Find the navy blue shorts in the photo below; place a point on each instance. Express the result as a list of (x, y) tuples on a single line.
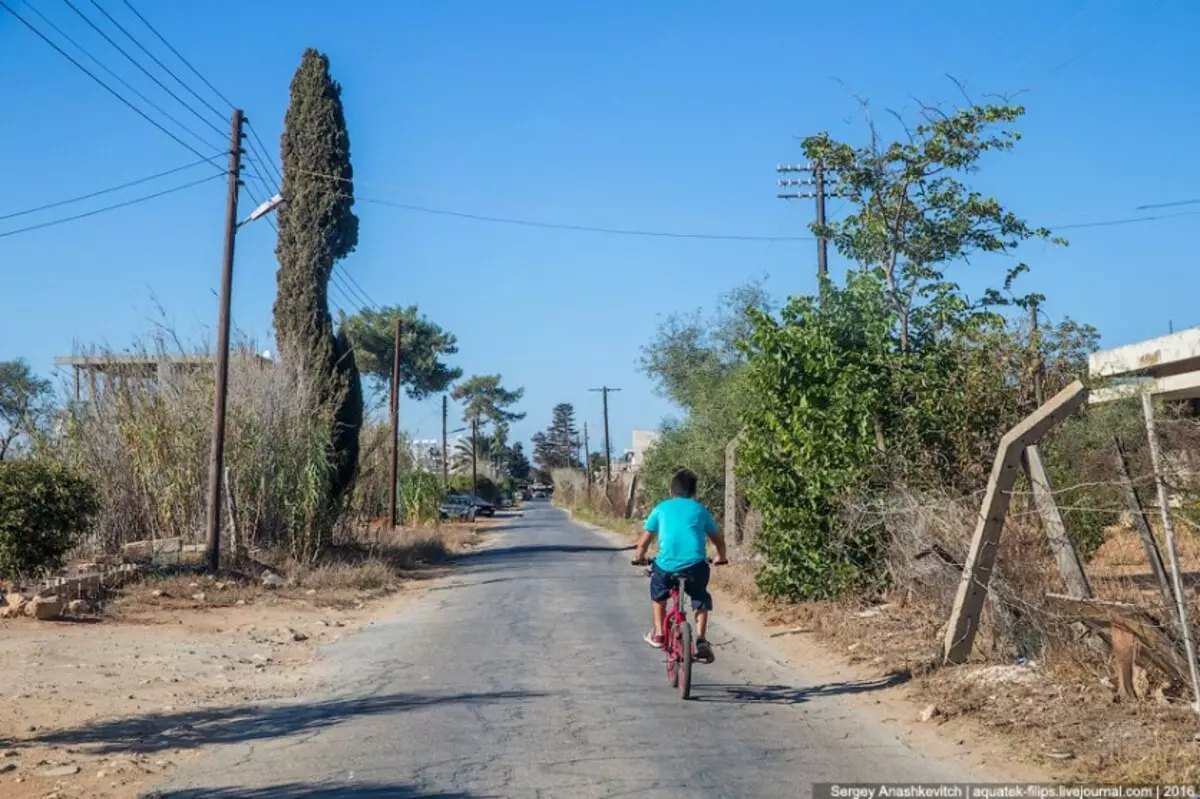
[(695, 584)]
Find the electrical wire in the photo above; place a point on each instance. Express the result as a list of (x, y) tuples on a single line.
[(114, 75), (113, 207), (109, 190), (145, 71), (154, 58), (578, 228), (92, 75), (1129, 221), (178, 55), (264, 156)]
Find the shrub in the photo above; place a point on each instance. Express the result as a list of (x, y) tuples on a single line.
[(485, 488), (44, 506), (421, 497)]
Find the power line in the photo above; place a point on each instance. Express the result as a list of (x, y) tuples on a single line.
[(154, 58), (145, 71), (104, 85), (578, 228), (1167, 205), (109, 190), (265, 156), (114, 75), (113, 207), (1129, 221), (178, 55)]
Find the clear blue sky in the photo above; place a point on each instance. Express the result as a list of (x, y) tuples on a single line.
[(662, 116)]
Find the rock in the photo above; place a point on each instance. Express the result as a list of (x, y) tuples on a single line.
[(160, 594), (311, 592), (60, 771), (200, 597), (1064, 755), (299, 636), (78, 607), (44, 608), (7, 767), (241, 601), (929, 712), (272, 580)]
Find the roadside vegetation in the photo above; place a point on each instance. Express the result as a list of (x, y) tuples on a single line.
[(868, 416)]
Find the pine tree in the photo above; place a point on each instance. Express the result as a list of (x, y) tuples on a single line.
[(317, 228)]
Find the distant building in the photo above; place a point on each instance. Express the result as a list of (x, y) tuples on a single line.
[(642, 441)]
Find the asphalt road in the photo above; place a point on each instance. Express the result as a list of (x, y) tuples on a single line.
[(524, 675)]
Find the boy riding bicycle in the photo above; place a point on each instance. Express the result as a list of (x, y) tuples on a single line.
[(683, 527)]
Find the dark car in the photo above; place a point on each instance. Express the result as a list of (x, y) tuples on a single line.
[(481, 505)]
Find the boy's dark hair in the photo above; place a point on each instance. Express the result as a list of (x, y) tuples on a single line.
[(683, 484)]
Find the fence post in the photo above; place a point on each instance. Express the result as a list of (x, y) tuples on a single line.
[(1065, 553), (977, 570), (1143, 527), (1185, 627)]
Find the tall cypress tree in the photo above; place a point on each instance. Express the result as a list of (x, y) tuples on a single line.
[(317, 228)]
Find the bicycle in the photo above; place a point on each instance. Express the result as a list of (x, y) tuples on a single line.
[(678, 641)]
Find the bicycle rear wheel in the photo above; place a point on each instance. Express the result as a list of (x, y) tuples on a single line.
[(684, 664), (669, 652)]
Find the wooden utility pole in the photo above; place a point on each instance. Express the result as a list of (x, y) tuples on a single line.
[(1035, 345), (474, 455), (216, 462), (587, 461), (604, 390), (1181, 605), (817, 181), (445, 453), (394, 487)]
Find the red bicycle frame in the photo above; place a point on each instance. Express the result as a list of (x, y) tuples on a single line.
[(678, 645)]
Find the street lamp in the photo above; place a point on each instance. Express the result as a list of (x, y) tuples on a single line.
[(262, 210)]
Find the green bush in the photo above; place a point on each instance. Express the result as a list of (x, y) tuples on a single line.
[(421, 497), (485, 488), (44, 506)]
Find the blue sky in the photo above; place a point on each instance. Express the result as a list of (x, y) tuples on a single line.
[(658, 116)]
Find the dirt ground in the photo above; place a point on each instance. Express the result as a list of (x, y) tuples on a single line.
[(101, 706), (1020, 720)]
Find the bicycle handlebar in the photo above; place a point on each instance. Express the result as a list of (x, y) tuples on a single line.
[(645, 562)]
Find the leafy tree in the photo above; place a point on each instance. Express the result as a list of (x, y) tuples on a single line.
[(519, 467), (24, 403), (423, 345), (485, 400), (557, 447), (897, 379), (317, 228), (911, 214), (696, 362)]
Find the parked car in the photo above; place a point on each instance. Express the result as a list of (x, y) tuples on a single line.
[(480, 505), (458, 508)]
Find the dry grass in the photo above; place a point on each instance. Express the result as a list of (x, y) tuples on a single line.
[(346, 575)]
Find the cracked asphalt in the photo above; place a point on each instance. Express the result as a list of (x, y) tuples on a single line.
[(524, 675)]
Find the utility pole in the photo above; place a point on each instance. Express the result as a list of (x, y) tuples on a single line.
[(474, 455), (395, 482), (216, 464), (817, 181), (607, 446), (445, 453), (587, 461), (1035, 344)]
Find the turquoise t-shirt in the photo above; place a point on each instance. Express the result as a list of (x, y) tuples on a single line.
[(683, 526)]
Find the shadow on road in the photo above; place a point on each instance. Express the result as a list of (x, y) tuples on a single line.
[(792, 695), (501, 553), (155, 732), (295, 790)]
